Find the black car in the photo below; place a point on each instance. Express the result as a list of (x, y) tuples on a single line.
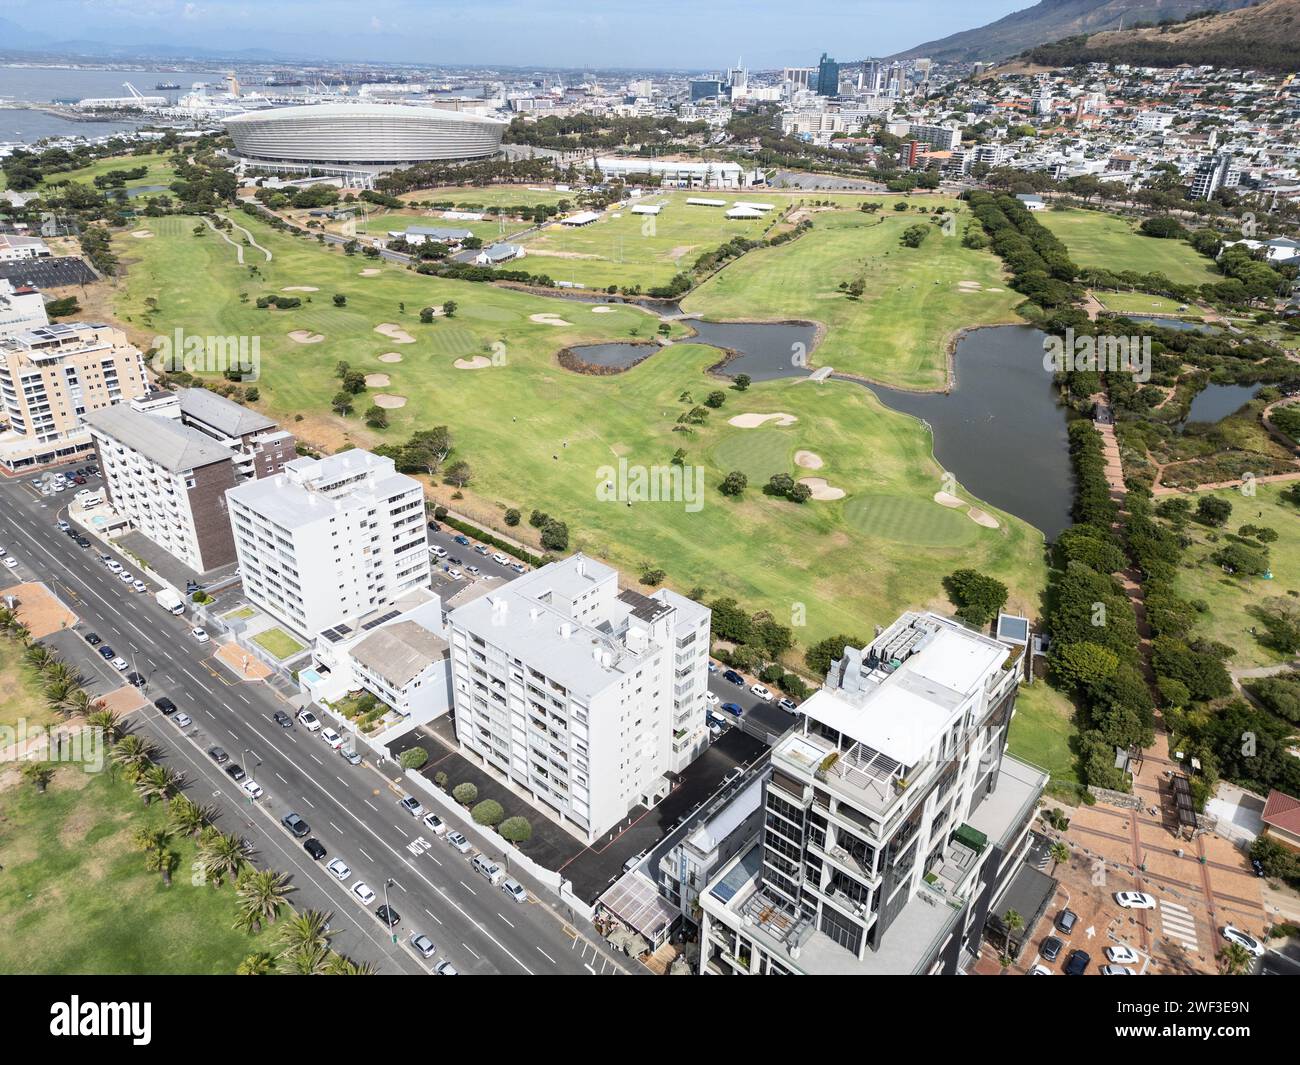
[(1051, 948), (93, 639), (314, 848), (81, 541), (236, 772), (135, 679), (282, 719), (734, 677), (455, 561), (1065, 921), (108, 652), (389, 916), (218, 755), (1077, 964), (435, 526), (295, 824), (167, 707)]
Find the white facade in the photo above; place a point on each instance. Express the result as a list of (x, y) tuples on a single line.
[(685, 173), (14, 247), (20, 308), (584, 697), (329, 539)]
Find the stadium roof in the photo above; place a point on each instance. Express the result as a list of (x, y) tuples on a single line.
[(290, 114)]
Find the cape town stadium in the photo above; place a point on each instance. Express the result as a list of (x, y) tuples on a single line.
[(361, 135)]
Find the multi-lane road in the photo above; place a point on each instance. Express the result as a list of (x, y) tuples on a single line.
[(352, 810)]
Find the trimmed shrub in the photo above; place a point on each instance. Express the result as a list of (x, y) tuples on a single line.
[(488, 812)]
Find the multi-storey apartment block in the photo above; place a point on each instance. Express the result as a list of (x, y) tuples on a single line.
[(581, 696), (51, 377), (329, 539), (21, 307), (893, 819)]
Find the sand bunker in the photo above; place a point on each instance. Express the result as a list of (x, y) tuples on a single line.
[(371, 272), (391, 356), (969, 284), (394, 333), (603, 310), (947, 499), (979, 517), (753, 421), (142, 233), (808, 460), (305, 336), (300, 288), (378, 380), (478, 362), (821, 490), (548, 319), (389, 402)]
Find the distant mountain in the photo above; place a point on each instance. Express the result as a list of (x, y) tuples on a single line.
[(1263, 37), (1051, 20)]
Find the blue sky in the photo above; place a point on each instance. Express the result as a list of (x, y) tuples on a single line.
[(571, 33)]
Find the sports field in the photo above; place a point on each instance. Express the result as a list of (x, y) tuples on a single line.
[(1144, 303), (471, 199), (1107, 242), (537, 435), (380, 223), (915, 299)]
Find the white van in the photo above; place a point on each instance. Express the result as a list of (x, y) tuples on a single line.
[(489, 869), (89, 498)]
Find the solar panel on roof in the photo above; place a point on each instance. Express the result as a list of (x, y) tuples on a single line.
[(380, 620)]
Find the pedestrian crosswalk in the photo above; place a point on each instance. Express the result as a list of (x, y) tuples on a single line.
[(1177, 924)]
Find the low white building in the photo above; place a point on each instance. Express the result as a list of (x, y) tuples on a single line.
[(14, 247), (21, 307), (682, 173)]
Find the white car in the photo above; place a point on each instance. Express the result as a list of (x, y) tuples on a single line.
[(411, 805), (1116, 970), (459, 842), (139, 586), (1122, 954), (473, 571), (761, 691), (332, 738), (455, 574), (362, 891), (518, 567), (339, 869), (62, 525), (1135, 900), (11, 562), (1243, 939), (113, 565), (438, 552), (435, 824), (199, 635), (182, 721), (500, 559), (309, 720), (120, 664), (422, 945), (1039, 970), (445, 968), (711, 699), (125, 576), (514, 889), (253, 789)]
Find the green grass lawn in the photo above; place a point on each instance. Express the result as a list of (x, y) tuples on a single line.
[(20, 693), (1043, 730), (469, 199), (899, 332), (241, 614), (489, 230), (537, 435), (1228, 598), (75, 896), (161, 171), (278, 642), (1144, 303), (1107, 242)]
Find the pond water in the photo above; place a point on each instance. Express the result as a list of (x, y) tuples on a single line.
[(1180, 324), (1216, 402)]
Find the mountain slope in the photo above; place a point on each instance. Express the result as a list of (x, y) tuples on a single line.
[(1264, 37), (1050, 20)]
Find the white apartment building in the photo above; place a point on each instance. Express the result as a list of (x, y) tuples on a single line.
[(329, 539), (21, 307), (894, 821), (1153, 121), (941, 138), (583, 697)]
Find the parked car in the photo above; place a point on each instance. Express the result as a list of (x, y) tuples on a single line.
[(473, 571), (1078, 963), (252, 788), (136, 680), (486, 867), (518, 567), (107, 652), (389, 916), (314, 848), (362, 891), (139, 586), (1065, 921), (309, 720), (732, 708), (461, 539), (1243, 939), (331, 737), (295, 824), (120, 664), (93, 639), (199, 635), (1122, 954), (80, 540), (282, 719), (350, 756), (445, 968), (62, 526), (455, 574), (788, 705), (1039, 970), (218, 755), (435, 824), (438, 552), (761, 690), (1051, 949), (411, 805), (1135, 900), (236, 772), (1116, 970), (514, 889), (459, 842), (500, 559), (422, 945), (481, 549), (338, 868), (734, 677)]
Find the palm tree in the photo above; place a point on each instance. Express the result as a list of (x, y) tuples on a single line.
[(1234, 959), (108, 722), (260, 964), (261, 892), (82, 703), (1059, 853), (338, 965), (134, 754), (158, 855), (38, 773), (304, 931), (220, 855), (1014, 923), (157, 782), (56, 694), (189, 818), (313, 960), (38, 656), (56, 671)]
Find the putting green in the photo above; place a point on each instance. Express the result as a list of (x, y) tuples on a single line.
[(484, 313), (757, 453), (910, 521), (445, 339)]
